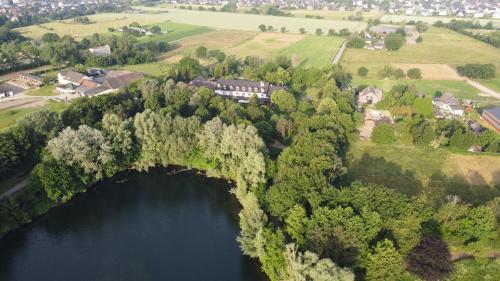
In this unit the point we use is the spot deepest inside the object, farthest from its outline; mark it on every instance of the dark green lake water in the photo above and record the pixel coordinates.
(152, 227)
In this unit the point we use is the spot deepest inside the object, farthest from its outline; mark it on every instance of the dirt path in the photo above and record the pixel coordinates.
(483, 89)
(339, 54)
(15, 188)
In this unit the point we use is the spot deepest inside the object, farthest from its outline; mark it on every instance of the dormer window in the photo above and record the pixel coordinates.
(231, 88)
(243, 88)
(249, 89)
(237, 88)
(262, 90)
(218, 85)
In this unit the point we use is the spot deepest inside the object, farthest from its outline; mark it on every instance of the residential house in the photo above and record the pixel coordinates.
(492, 116)
(369, 95)
(447, 106)
(238, 89)
(101, 51)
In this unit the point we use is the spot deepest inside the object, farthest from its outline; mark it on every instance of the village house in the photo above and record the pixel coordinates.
(101, 51)
(239, 89)
(73, 82)
(447, 106)
(492, 116)
(369, 95)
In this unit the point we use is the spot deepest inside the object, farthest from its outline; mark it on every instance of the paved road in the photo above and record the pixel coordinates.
(483, 89)
(15, 188)
(339, 54)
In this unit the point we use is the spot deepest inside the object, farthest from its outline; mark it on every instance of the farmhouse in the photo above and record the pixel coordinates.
(447, 106)
(30, 80)
(492, 116)
(101, 51)
(72, 82)
(239, 89)
(369, 95)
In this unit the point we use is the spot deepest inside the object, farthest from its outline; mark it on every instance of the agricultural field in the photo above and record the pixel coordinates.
(317, 51)
(101, 22)
(431, 20)
(425, 172)
(459, 88)
(493, 84)
(440, 46)
(335, 15)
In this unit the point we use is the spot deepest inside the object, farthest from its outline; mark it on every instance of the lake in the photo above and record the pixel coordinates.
(153, 226)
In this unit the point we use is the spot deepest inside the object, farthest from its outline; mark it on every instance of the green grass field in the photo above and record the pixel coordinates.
(493, 84)
(101, 22)
(152, 69)
(334, 15)
(459, 88)
(9, 117)
(425, 172)
(44, 91)
(175, 31)
(440, 46)
(315, 51)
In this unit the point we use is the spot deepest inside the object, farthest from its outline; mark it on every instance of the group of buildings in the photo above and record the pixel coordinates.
(95, 82)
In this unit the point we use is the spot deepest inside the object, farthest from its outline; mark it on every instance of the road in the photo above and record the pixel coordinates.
(15, 188)
(483, 89)
(339, 54)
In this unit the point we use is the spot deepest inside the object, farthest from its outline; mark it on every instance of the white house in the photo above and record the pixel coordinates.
(369, 95)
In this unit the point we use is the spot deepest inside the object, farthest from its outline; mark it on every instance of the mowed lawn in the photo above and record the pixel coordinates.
(317, 51)
(9, 117)
(425, 172)
(43, 91)
(440, 46)
(101, 22)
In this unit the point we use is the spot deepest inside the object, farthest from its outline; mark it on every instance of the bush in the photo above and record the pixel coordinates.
(383, 134)
(363, 71)
(319, 32)
(394, 41)
(201, 52)
(477, 71)
(399, 73)
(356, 42)
(414, 73)
(420, 39)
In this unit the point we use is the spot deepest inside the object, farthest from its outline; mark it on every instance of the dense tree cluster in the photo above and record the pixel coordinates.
(477, 71)
(468, 27)
(285, 159)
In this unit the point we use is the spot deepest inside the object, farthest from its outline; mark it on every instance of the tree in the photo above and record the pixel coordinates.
(414, 73)
(419, 39)
(58, 180)
(430, 259)
(424, 106)
(156, 29)
(262, 27)
(283, 30)
(302, 30)
(308, 266)
(284, 101)
(50, 37)
(477, 71)
(201, 52)
(383, 134)
(319, 31)
(394, 41)
(384, 263)
(331, 32)
(399, 73)
(86, 149)
(356, 42)
(362, 71)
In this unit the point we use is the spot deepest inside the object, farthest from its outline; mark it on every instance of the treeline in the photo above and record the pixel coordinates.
(477, 71)
(295, 218)
(414, 124)
(461, 26)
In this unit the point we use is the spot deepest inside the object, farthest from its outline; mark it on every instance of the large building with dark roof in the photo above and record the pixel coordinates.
(238, 89)
(492, 116)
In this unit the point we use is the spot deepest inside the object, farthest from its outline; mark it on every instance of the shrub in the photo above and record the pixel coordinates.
(201, 52)
(394, 41)
(363, 71)
(420, 39)
(319, 32)
(414, 73)
(383, 134)
(399, 73)
(430, 259)
(356, 42)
